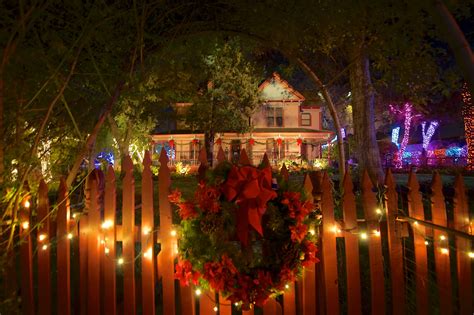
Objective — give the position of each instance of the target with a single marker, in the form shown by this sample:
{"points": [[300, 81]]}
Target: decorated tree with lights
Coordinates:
{"points": [[427, 130], [468, 115], [407, 112]]}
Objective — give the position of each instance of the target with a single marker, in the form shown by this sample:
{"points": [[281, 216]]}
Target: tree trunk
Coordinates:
{"points": [[334, 116], [93, 135], [367, 149], [209, 143]]}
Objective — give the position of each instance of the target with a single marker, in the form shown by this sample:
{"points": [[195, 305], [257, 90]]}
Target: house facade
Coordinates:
{"points": [[284, 126]]}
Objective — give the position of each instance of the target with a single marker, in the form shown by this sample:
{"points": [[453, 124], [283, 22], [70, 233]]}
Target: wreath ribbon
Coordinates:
{"points": [[251, 189]]}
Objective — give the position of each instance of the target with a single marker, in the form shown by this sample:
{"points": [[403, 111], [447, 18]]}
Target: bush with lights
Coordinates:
{"points": [[242, 238]]}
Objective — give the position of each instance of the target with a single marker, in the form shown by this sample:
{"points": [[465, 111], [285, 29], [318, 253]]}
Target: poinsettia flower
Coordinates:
{"points": [[185, 273], [310, 251], [298, 232], [207, 198], [187, 210], [175, 196]]}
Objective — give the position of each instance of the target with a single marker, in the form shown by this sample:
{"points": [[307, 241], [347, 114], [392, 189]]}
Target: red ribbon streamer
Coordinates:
{"points": [[251, 189]]}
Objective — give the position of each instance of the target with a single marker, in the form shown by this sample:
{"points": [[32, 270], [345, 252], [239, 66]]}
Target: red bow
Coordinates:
{"points": [[251, 189]]}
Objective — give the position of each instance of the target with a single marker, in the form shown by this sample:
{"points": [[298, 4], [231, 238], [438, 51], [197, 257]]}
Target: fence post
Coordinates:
{"points": [[308, 282], [443, 269], [26, 260], [44, 251], [108, 255], [147, 239], [94, 244], [329, 255], [128, 237], [63, 251], [166, 255], [370, 206], [415, 210], [462, 223], [83, 236], [352, 246], [395, 246]]}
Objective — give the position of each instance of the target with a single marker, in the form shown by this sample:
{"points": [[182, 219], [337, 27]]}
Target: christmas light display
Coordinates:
{"points": [[395, 135], [407, 112], [428, 133], [468, 114]]}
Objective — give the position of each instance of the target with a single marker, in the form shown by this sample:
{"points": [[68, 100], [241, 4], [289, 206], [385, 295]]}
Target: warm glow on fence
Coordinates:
{"points": [[44, 247], [27, 204], [198, 292], [107, 224], [69, 236], [312, 231], [444, 251], [471, 254], [148, 254], [25, 225], [146, 230], [442, 237], [120, 261], [42, 237], [173, 233], [363, 235]]}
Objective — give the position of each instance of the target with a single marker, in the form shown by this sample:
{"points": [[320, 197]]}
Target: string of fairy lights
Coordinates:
{"points": [[468, 114]]}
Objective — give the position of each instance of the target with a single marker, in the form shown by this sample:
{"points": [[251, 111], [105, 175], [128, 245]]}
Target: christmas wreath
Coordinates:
{"points": [[242, 237]]}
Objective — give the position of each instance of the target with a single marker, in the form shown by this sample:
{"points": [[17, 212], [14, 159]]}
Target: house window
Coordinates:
{"points": [[274, 117], [305, 119]]}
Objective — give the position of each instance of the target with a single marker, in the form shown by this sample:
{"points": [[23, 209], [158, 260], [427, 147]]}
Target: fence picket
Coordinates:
{"points": [[329, 255], [289, 299], [370, 205], [83, 229], [352, 247], [108, 254], [44, 252], [26, 260], [220, 155], [128, 237], [395, 246], [244, 158], [166, 255], [464, 271], [187, 300], [415, 210], [273, 308], [63, 251], [94, 244], [265, 161], [225, 306], [147, 239], [206, 303], [284, 172], [443, 271]]}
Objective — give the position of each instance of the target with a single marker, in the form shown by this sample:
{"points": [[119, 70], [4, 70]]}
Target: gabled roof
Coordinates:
{"points": [[277, 89]]}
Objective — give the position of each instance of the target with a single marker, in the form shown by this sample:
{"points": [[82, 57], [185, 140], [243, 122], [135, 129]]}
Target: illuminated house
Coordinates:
{"points": [[285, 127]]}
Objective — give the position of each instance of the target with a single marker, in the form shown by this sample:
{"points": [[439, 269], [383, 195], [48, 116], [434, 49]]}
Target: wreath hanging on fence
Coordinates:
{"points": [[243, 238]]}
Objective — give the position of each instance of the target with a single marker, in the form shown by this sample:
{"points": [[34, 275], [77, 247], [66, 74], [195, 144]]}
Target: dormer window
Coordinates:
{"points": [[305, 119], [274, 116]]}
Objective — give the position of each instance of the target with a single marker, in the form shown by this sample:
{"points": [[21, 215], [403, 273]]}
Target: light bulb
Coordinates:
{"points": [[363, 235]]}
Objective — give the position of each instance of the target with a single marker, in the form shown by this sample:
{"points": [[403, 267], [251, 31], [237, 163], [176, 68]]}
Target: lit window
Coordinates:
{"points": [[274, 116], [305, 119]]}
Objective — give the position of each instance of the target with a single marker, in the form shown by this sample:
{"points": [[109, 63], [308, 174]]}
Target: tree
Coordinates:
{"points": [[230, 97]]}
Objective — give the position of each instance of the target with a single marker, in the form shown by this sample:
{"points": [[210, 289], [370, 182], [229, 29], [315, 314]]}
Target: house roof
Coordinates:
{"points": [[277, 89]]}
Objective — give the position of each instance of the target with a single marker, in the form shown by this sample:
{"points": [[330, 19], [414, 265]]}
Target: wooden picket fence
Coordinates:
{"points": [[107, 249]]}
